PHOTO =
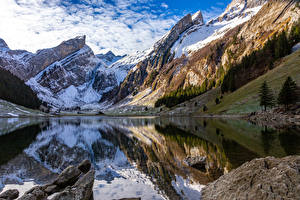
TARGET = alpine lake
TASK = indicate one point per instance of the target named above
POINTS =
(147, 157)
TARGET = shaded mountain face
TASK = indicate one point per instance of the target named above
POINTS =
(193, 52)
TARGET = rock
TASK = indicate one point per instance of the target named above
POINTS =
(265, 178)
(3, 45)
(85, 166)
(68, 177)
(82, 190)
(68, 185)
(198, 162)
(35, 193)
(9, 194)
(198, 18)
(51, 189)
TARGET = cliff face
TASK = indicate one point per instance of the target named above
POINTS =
(64, 76)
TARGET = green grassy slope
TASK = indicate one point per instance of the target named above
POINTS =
(246, 99)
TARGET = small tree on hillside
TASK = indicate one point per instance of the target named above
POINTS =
(266, 96)
(288, 95)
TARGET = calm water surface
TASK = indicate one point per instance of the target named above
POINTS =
(151, 158)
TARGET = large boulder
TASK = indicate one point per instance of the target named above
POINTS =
(81, 190)
(265, 178)
(73, 183)
(68, 177)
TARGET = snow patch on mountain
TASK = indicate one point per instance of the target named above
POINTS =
(198, 36)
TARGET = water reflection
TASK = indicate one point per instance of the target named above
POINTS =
(152, 158)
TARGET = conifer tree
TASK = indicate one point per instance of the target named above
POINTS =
(266, 96)
(288, 95)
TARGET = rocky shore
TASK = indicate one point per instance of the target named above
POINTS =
(265, 178)
(276, 118)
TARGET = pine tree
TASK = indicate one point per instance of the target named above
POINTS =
(288, 95)
(266, 96)
(282, 47)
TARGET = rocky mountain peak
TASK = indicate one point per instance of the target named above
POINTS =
(109, 57)
(238, 7)
(198, 18)
(168, 40)
(3, 44)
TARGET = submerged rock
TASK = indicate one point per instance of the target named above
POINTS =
(265, 178)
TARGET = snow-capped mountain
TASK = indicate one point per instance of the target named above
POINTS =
(66, 76)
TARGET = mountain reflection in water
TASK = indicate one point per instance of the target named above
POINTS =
(152, 158)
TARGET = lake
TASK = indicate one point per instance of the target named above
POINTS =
(148, 157)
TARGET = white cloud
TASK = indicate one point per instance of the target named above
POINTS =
(121, 27)
(164, 5)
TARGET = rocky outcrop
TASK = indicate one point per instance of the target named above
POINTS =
(265, 178)
(72, 183)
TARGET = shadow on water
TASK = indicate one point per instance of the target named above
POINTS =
(14, 143)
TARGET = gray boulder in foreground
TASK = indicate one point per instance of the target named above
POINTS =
(264, 179)
(82, 190)
(73, 183)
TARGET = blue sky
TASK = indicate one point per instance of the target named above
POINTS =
(123, 26)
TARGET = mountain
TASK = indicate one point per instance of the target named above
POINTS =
(193, 54)
(66, 76)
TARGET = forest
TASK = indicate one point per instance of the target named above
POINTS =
(14, 90)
